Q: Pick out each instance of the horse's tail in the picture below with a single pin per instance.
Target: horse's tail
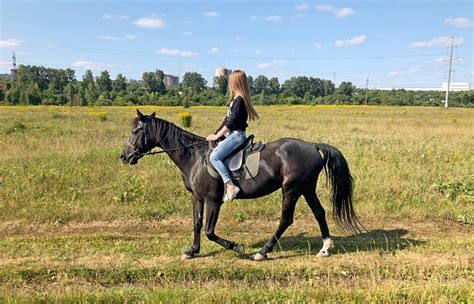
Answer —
(338, 173)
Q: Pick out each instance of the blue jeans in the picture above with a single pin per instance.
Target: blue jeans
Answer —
(226, 147)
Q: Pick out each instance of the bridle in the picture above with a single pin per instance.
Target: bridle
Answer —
(144, 139)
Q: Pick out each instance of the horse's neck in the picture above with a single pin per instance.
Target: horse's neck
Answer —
(171, 137)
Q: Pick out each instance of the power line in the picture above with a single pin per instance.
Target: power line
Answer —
(157, 54)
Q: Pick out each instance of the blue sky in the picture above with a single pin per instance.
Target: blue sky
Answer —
(394, 43)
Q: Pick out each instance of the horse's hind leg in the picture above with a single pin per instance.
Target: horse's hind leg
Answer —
(320, 215)
(287, 212)
(212, 214)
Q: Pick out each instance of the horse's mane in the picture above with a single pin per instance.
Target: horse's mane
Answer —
(172, 133)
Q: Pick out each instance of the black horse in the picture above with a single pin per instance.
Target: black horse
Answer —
(290, 164)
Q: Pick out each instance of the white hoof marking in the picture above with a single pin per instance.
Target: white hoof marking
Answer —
(259, 257)
(186, 256)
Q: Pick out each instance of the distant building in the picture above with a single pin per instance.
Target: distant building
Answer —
(223, 72)
(453, 87)
(456, 86)
(406, 89)
(170, 80)
(134, 81)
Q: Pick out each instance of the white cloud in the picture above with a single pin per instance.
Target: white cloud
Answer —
(442, 59)
(131, 37)
(271, 65)
(214, 50)
(302, 6)
(89, 65)
(344, 12)
(338, 12)
(186, 33)
(123, 17)
(458, 22)
(414, 70)
(10, 43)
(210, 14)
(353, 41)
(395, 73)
(439, 42)
(274, 18)
(106, 16)
(108, 37)
(253, 18)
(175, 52)
(258, 52)
(150, 22)
(317, 45)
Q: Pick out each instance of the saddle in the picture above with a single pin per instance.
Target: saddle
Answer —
(243, 162)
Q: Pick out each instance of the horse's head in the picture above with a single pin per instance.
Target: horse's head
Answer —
(140, 140)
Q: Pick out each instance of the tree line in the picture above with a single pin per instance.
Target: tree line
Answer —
(36, 85)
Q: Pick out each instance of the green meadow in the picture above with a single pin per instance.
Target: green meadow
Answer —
(77, 225)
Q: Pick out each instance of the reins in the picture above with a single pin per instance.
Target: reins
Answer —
(202, 143)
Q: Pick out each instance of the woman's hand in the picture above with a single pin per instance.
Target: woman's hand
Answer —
(212, 137)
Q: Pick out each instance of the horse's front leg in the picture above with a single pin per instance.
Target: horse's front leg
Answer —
(212, 214)
(198, 208)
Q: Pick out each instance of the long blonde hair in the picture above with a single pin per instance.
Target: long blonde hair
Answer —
(238, 85)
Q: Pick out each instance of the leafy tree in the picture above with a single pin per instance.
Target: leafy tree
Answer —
(296, 86)
(315, 87)
(90, 94)
(262, 85)
(31, 94)
(12, 96)
(104, 83)
(251, 84)
(274, 85)
(345, 88)
(329, 87)
(220, 84)
(71, 93)
(154, 81)
(119, 84)
(194, 82)
(87, 79)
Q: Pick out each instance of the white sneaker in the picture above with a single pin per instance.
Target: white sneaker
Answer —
(229, 196)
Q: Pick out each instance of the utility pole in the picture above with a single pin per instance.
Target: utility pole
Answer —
(14, 68)
(367, 90)
(449, 74)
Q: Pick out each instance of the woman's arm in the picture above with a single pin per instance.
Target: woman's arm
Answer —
(212, 137)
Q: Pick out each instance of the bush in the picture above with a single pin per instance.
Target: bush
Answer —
(186, 119)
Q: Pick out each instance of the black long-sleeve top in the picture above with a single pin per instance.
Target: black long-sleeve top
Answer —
(237, 116)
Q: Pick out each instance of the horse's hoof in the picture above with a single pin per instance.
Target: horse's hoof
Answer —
(186, 256)
(323, 253)
(239, 248)
(259, 257)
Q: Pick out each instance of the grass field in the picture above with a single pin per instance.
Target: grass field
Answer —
(79, 226)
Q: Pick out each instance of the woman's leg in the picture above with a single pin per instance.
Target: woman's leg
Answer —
(225, 147)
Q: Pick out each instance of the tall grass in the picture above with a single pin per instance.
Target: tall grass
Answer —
(77, 225)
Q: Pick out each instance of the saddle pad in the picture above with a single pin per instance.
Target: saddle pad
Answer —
(251, 163)
(251, 167)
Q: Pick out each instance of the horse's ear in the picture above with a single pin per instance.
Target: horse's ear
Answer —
(140, 115)
(153, 115)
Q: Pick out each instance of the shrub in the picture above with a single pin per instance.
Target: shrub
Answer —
(186, 119)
